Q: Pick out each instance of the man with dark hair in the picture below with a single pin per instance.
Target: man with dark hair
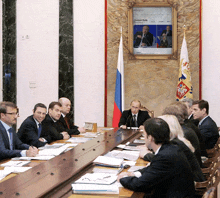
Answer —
(144, 38)
(10, 144)
(133, 117)
(50, 130)
(169, 173)
(207, 125)
(64, 122)
(30, 130)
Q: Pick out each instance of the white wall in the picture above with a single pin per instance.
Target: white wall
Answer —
(89, 67)
(211, 57)
(37, 54)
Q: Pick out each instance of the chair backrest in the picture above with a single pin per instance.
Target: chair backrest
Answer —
(151, 113)
(210, 193)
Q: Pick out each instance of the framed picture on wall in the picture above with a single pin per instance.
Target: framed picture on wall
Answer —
(152, 31)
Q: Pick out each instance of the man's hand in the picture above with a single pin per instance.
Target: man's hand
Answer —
(143, 151)
(81, 129)
(143, 44)
(41, 139)
(123, 126)
(125, 174)
(65, 135)
(32, 151)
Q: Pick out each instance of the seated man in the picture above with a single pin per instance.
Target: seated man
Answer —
(64, 122)
(144, 38)
(207, 125)
(133, 117)
(51, 130)
(169, 173)
(10, 144)
(30, 130)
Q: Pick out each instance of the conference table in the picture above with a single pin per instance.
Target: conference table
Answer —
(53, 178)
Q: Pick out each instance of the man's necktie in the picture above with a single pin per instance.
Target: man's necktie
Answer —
(67, 123)
(11, 138)
(135, 121)
(39, 129)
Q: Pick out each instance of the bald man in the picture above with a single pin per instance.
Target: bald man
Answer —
(64, 122)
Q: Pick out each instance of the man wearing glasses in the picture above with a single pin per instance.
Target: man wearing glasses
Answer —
(10, 144)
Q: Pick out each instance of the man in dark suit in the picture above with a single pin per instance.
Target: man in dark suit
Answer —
(169, 173)
(133, 117)
(144, 38)
(207, 125)
(51, 130)
(30, 130)
(65, 122)
(10, 144)
(167, 32)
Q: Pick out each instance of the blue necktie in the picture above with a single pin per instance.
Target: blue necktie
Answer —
(39, 129)
(11, 138)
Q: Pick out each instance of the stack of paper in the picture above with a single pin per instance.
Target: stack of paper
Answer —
(97, 178)
(95, 189)
(108, 161)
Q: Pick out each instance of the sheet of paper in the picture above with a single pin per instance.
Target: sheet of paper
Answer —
(15, 163)
(105, 170)
(34, 158)
(17, 169)
(97, 178)
(135, 168)
(78, 139)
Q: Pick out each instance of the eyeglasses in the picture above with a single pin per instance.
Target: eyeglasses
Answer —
(13, 114)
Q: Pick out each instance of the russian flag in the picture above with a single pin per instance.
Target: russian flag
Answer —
(119, 87)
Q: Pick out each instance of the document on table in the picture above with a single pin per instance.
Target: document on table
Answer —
(34, 158)
(108, 161)
(4, 173)
(106, 170)
(51, 152)
(89, 135)
(17, 169)
(129, 155)
(15, 163)
(53, 146)
(78, 139)
(95, 189)
(97, 178)
(132, 148)
(139, 141)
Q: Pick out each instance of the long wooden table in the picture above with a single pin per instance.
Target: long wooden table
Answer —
(53, 178)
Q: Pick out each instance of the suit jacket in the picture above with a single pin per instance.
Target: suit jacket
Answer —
(18, 146)
(193, 162)
(169, 175)
(190, 135)
(189, 123)
(62, 126)
(165, 31)
(28, 132)
(209, 131)
(148, 39)
(126, 118)
(49, 131)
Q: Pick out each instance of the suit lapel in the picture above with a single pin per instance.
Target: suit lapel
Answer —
(35, 125)
(5, 136)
